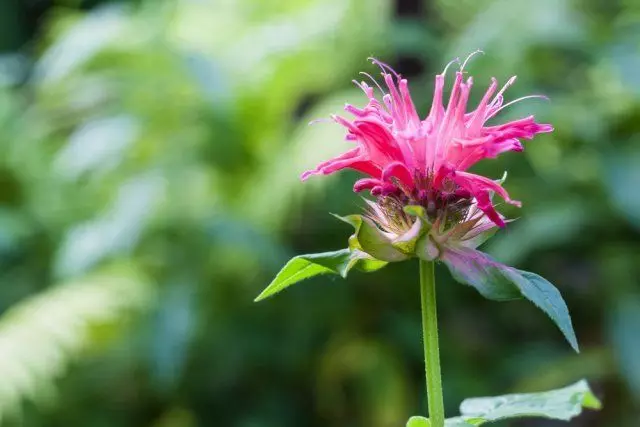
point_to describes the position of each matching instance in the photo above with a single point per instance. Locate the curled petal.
(383, 189)
(366, 184)
(481, 188)
(485, 205)
(372, 135)
(398, 170)
(358, 112)
(474, 183)
(463, 152)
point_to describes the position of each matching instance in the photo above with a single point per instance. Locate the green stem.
(430, 338)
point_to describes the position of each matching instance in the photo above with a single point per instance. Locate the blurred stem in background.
(430, 338)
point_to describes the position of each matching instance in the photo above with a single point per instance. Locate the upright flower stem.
(430, 338)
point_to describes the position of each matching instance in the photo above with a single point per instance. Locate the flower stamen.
(493, 114)
(471, 55)
(375, 82)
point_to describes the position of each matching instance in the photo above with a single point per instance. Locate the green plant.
(429, 207)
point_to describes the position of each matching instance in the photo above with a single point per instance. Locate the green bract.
(371, 248)
(561, 404)
(383, 246)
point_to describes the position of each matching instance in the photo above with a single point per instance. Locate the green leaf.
(458, 422)
(305, 266)
(372, 240)
(479, 270)
(418, 422)
(547, 297)
(562, 404)
(499, 282)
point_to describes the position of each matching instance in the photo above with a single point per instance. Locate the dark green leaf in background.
(624, 330)
(623, 182)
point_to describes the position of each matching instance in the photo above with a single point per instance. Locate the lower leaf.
(562, 404)
(424, 422)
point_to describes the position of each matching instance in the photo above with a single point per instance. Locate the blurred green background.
(149, 190)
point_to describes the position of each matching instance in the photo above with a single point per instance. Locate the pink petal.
(366, 184)
(398, 170)
(351, 159)
(394, 144)
(481, 188)
(383, 189)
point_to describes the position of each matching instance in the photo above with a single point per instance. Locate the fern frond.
(42, 335)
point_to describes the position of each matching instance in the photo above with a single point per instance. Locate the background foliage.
(151, 153)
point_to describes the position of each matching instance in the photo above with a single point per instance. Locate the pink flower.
(425, 161)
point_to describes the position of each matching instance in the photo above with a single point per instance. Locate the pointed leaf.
(305, 266)
(479, 270)
(500, 282)
(562, 404)
(547, 297)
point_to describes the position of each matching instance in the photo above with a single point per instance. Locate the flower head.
(428, 205)
(425, 161)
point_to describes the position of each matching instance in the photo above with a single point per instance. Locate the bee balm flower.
(430, 207)
(425, 161)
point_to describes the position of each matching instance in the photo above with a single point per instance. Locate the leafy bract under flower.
(377, 242)
(425, 160)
